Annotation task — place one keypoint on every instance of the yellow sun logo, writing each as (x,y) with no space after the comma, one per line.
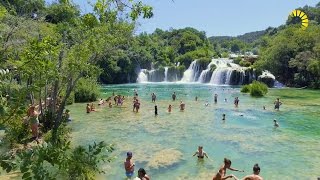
(302,16)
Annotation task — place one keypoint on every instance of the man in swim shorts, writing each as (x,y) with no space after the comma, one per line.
(255,175)
(129,165)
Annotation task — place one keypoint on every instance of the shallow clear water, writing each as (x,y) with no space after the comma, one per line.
(164,144)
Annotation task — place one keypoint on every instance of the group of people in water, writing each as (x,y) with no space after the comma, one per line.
(129,165)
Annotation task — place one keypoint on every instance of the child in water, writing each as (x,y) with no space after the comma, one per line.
(169,108)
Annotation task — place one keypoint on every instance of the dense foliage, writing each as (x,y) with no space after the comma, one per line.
(256,89)
(45,51)
(86,91)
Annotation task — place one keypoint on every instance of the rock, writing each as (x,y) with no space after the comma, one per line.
(164,158)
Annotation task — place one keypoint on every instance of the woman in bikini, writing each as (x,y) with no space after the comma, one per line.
(201,154)
(221,174)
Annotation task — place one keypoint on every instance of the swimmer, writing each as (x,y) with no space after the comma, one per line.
(221,174)
(223,117)
(129,165)
(277,104)
(275,123)
(201,154)
(174,96)
(153,97)
(88,108)
(236,102)
(156,110)
(255,175)
(216,98)
(169,108)
(142,175)
(182,106)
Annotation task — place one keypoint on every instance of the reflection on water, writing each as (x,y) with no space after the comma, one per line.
(164,144)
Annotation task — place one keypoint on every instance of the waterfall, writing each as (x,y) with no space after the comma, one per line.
(142,77)
(192,73)
(166,74)
(206,74)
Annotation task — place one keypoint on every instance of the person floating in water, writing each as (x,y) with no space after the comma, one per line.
(223,117)
(236,102)
(275,123)
(153,97)
(221,174)
(182,106)
(255,175)
(129,165)
(200,153)
(277,104)
(174,96)
(156,110)
(169,108)
(216,98)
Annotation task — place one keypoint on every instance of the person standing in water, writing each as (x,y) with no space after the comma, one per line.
(216,98)
(88,108)
(153,97)
(169,108)
(223,117)
(221,174)
(174,96)
(236,101)
(156,110)
(182,106)
(129,165)
(277,104)
(255,175)
(200,153)
(196,98)
(275,123)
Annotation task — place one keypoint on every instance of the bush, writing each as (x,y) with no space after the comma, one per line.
(245,89)
(256,89)
(86,91)
(244,63)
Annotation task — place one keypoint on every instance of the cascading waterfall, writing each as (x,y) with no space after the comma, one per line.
(142,77)
(225,73)
(192,73)
(166,74)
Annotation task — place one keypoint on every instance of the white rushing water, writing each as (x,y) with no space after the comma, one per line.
(142,77)
(166,74)
(226,73)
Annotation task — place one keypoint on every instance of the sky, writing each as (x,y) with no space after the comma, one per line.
(215,17)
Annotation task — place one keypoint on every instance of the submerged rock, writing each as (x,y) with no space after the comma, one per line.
(164,158)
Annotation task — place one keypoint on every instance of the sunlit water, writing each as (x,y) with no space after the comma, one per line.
(164,144)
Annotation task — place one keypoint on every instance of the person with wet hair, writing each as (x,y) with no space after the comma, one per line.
(221,174)
(255,175)
(142,175)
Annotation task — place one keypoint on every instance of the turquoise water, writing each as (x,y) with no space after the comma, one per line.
(164,144)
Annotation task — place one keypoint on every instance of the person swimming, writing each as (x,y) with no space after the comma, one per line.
(254,176)
(221,174)
(200,153)
(275,123)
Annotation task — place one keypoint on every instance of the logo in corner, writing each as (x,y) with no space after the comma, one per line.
(302,16)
